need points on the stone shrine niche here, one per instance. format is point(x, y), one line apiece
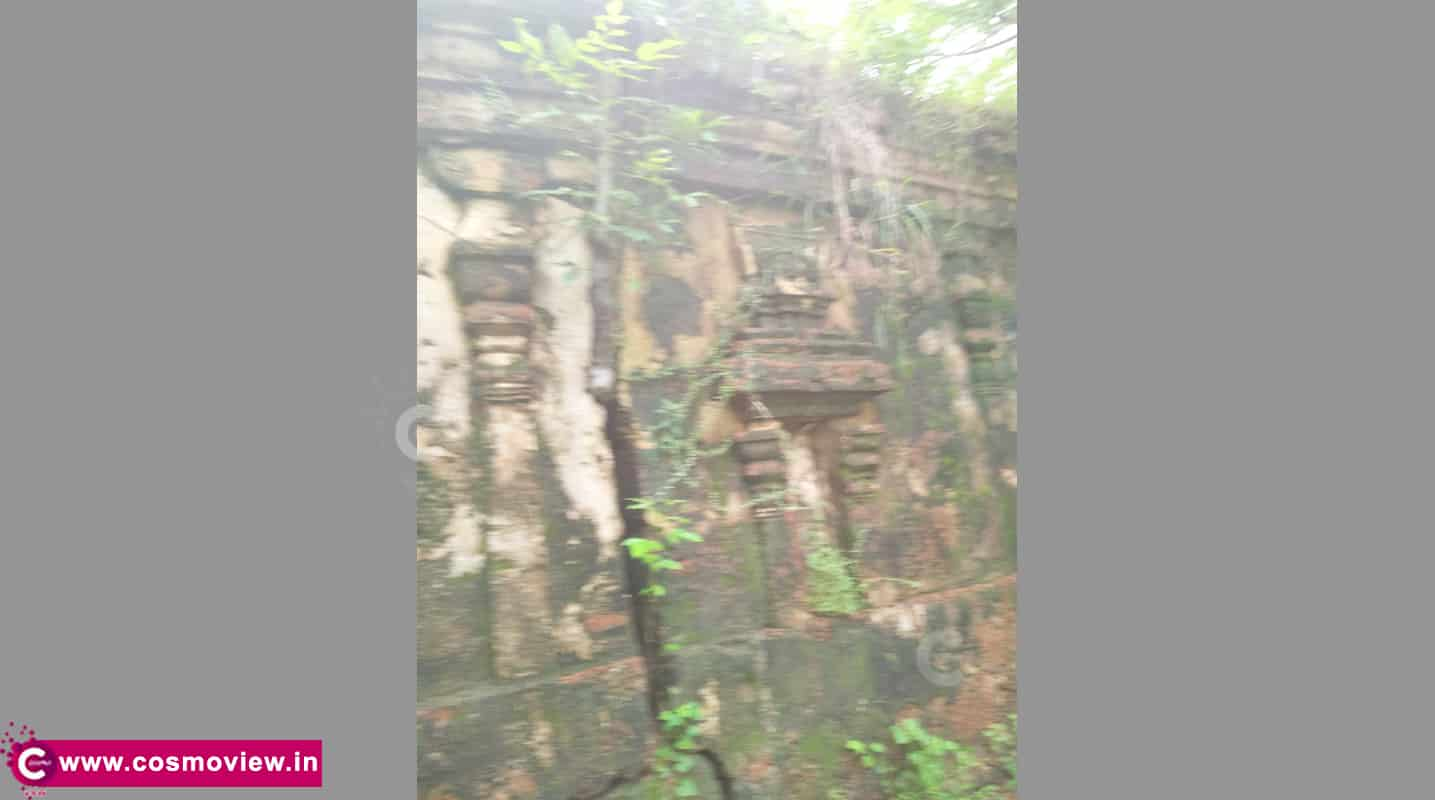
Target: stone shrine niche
point(790, 370)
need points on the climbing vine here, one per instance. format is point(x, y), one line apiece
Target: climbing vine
point(677, 756)
point(680, 449)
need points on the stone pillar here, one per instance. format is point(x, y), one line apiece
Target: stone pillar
point(764, 468)
point(496, 290)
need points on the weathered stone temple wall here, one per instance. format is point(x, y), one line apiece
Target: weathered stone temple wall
point(847, 455)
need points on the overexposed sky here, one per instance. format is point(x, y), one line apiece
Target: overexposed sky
point(830, 13)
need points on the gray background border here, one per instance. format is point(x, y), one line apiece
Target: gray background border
point(1223, 553)
point(207, 322)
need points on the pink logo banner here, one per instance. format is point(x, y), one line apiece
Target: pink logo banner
point(167, 763)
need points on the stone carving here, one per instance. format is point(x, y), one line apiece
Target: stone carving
point(496, 290)
point(763, 470)
point(785, 363)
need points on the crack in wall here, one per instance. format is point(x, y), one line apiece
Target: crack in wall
point(579, 412)
point(659, 668)
point(720, 773)
point(647, 625)
point(614, 784)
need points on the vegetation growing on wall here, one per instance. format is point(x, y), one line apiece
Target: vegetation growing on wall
point(626, 138)
point(831, 587)
point(918, 765)
point(434, 506)
point(678, 755)
point(678, 447)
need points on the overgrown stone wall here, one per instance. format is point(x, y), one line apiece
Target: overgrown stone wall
point(837, 422)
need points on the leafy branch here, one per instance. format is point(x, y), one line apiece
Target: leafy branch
point(630, 139)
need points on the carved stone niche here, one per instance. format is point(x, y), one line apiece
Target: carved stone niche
point(786, 364)
point(496, 290)
point(764, 471)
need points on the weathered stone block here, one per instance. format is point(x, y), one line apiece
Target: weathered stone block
point(727, 680)
point(553, 740)
point(455, 57)
point(450, 109)
point(486, 170)
point(452, 635)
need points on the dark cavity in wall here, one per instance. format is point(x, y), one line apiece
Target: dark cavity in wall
point(670, 308)
point(618, 428)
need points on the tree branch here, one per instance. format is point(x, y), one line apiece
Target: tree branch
point(983, 49)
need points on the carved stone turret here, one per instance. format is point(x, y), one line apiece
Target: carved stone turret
point(786, 364)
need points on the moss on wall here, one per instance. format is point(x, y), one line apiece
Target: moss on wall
point(782, 688)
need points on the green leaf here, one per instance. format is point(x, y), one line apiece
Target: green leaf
point(687, 787)
point(534, 45)
point(530, 42)
point(614, 7)
point(512, 47)
point(655, 51)
point(639, 547)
